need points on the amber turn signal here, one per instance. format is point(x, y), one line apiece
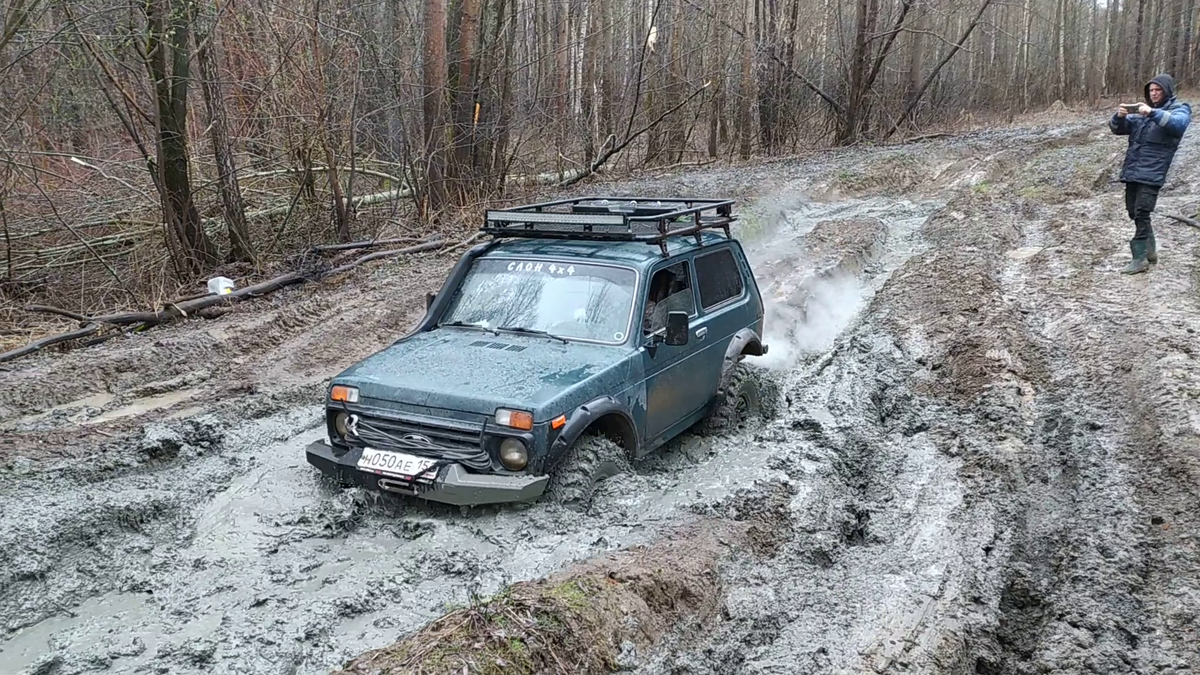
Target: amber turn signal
point(344, 393)
point(517, 419)
point(558, 422)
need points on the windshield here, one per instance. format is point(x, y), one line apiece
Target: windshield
point(571, 300)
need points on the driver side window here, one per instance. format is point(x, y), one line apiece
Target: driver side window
point(670, 290)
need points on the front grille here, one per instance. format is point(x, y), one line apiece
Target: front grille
point(458, 443)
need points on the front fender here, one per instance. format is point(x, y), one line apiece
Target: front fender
point(745, 341)
point(582, 418)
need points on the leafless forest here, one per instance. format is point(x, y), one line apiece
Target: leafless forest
point(147, 144)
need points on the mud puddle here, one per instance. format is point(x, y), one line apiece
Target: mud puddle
point(236, 555)
point(281, 568)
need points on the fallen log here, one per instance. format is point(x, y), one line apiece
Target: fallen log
point(142, 320)
point(37, 345)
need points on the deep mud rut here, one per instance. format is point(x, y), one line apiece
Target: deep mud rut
point(984, 457)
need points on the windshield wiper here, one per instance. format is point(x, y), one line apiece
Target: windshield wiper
point(533, 331)
point(463, 324)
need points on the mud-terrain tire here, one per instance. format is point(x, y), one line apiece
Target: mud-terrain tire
point(591, 459)
point(740, 403)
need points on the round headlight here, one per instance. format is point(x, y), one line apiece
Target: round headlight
point(513, 455)
point(339, 423)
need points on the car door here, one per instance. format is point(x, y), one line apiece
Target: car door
point(670, 387)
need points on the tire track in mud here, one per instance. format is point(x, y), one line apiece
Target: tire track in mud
point(993, 504)
point(876, 565)
point(1105, 570)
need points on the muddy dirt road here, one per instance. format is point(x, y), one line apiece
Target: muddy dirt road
point(985, 456)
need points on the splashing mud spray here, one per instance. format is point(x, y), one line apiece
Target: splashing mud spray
point(794, 332)
point(810, 293)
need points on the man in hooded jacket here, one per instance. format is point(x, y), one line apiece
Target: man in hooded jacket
point(1154, 131)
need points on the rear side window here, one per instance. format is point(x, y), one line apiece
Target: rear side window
point(718, 277)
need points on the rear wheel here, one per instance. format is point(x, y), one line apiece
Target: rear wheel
point(590, 460)
point(739, 405)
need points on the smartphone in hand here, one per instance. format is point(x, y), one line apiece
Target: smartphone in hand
point(1131, 108)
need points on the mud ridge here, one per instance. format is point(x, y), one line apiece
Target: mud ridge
point(591, 617)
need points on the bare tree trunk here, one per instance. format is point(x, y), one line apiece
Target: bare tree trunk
point(167, 60)
point(1092, 69)
point(435, 82)
point(341, 204)
point(745, 133)
point(462, 150)
point(856, 113)
point(1139, 58)
point(1026, 70)
point(590, 36)
point(500, 152)
point(675, 134)
point(562, 77)
point(1157, 42)
point(608, 88)
point(714, 116)
point(241, 249)
point(916, 57)
point(1185, 48)
point(1111, 46)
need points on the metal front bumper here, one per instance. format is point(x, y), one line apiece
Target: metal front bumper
point(455, 485)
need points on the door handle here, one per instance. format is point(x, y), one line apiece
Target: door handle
point(701, 333)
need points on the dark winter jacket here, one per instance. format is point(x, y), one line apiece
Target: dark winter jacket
point(1153, 138)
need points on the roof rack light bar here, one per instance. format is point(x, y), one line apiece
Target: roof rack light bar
point(580, 218)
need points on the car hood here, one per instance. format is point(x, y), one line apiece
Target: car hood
point(473, 371)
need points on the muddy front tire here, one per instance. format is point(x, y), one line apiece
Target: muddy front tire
point(739, 404)
point(590, 460)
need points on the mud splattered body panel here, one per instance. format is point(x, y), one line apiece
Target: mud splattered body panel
point(557, 330)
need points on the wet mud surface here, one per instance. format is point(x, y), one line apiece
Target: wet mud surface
point(984, 457)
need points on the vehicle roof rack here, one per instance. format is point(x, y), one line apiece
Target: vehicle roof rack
point(613, 219)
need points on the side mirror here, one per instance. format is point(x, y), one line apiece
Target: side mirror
point(677, 328)
point(429, 300)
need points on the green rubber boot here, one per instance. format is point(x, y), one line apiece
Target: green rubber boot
point(1139, 262)
point(1151, 250)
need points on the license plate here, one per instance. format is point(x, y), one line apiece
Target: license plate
point(389, 463)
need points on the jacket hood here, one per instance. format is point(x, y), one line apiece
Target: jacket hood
point(1168, 86)
point(475, 372)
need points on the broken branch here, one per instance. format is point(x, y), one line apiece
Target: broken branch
point(427, 246)
point(916, 97)
point(599, 162)
point(1183, 219)
point(61, 312)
